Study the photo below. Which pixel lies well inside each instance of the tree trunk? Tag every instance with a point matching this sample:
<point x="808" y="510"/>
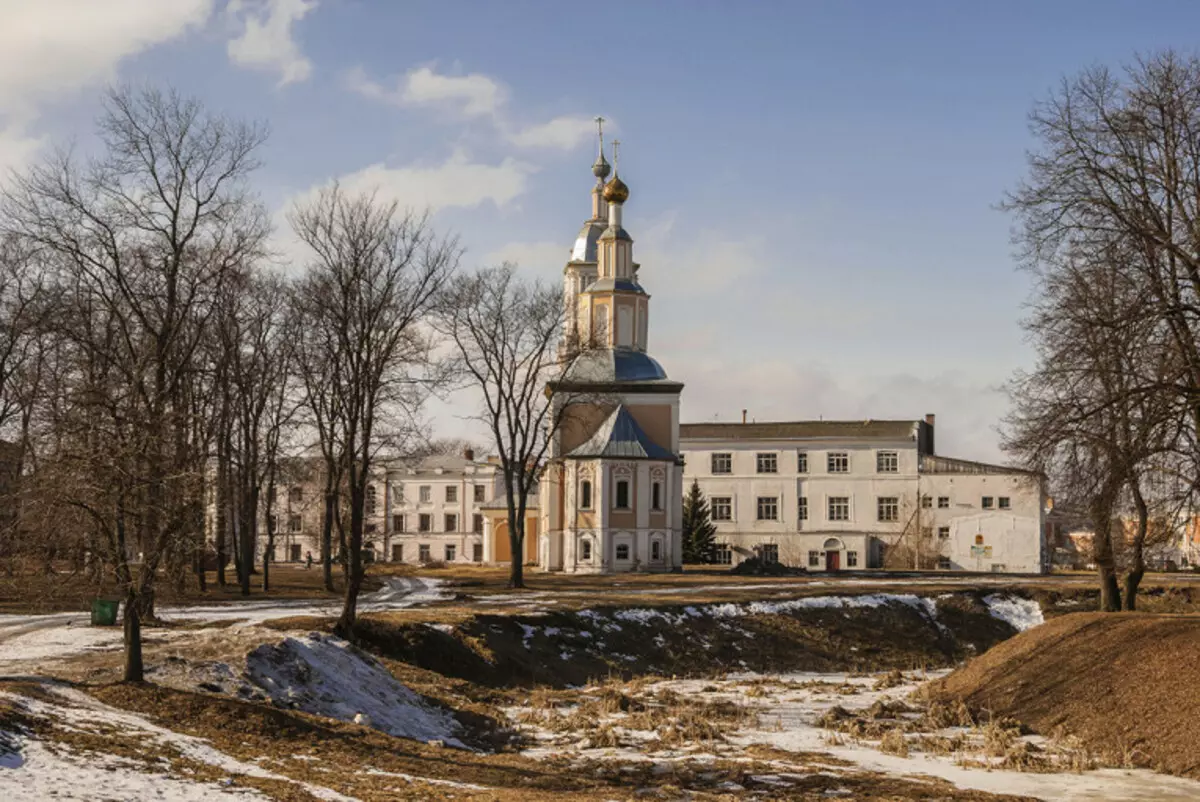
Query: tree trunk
<point x="266" y="561"/>
<point x="247" y="534"/>
<point x="201" y="543"/>
<point x="1137" y="568"/>
<point x="134" y="668"/>
<point x="327" y="540"/>
<point x="516" y="541"/>
<point x="1110" y="591"/>
<point x="353" y="560"/>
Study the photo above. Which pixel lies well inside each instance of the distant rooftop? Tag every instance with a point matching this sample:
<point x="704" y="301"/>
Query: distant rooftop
<point x="814" y="429"/>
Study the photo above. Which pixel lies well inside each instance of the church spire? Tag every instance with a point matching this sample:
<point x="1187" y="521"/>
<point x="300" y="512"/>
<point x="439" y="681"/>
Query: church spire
<point x="600" y="169"/>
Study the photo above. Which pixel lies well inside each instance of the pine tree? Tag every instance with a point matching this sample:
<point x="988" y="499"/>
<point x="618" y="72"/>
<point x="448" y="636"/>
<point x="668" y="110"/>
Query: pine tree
<point x="699" y="544"/>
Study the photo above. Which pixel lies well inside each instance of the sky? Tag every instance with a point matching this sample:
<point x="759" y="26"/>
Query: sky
<point x="814" y="185"/>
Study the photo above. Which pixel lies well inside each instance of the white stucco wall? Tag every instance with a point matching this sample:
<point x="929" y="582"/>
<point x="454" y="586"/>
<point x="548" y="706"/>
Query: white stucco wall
<point x="1020" y="535"/>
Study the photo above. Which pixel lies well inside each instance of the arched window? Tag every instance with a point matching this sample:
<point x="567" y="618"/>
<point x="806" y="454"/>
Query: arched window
<point x="622" y="551"/>
<point x="656" y="496"/>
<point x="979" y="540"/>
<point x="370" y="499"/>
<point x="585" y="494"/>
<point x="656" y="550"/>
<point x="832" y="543"/>
<point x="585" y="551"/>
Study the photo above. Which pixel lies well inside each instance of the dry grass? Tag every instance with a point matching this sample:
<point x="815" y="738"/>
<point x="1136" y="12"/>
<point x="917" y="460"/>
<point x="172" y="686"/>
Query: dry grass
<point x="33" y="591"/>
<point x="1118" y="682"/>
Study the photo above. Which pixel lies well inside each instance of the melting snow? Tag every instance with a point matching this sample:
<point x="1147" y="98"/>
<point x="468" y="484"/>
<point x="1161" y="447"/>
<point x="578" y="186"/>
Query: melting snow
<point x="1021" y="614"/>
<point x="65" y="778"/>
<point x="326" y="676"/>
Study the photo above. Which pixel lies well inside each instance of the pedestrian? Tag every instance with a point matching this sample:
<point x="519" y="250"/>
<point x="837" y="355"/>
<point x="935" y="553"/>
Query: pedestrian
<point x="307" y="560"/>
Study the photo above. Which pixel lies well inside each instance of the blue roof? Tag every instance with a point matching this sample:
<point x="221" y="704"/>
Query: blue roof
<point x="620" y="436"/>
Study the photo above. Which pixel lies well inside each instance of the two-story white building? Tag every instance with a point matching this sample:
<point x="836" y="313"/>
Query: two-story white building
<point x="837" y="495"/>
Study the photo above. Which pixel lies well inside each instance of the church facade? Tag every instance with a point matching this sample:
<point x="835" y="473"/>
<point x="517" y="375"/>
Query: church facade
<point x="611" y="496"/>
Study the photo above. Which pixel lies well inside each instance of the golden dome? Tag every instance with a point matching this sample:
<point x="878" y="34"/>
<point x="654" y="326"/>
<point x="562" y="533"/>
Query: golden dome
<point x="615" y="191"/>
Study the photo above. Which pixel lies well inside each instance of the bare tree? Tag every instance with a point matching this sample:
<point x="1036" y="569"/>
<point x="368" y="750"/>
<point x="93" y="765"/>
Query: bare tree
<point x="1086" y="414"/>
<point x="252" y="326"/>
<point x="1108" y="222"/>
<point x="373" y="277"/>
<point x="505" y="333"/>
<point x="143" y="239"/>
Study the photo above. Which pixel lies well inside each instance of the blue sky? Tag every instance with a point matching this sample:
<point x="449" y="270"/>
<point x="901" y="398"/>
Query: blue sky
<point x="813" y="184"/>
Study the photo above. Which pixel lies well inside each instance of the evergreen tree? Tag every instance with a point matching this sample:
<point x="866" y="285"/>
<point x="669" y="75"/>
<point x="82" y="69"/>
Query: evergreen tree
<point x="699" y="544"/>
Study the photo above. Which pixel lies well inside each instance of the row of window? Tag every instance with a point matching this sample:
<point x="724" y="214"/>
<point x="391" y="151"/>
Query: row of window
<point x="425" y="552"/>
<point x="835" y="462"/>
<point x="622" y="551"/>
<point x="887" y="508"/>
<point x="622" y="500"/>
<point x="986" y="502"/>
<point x="424" y="523"/>
<point x="424" y="495"/>
<point x="769" y="552"/>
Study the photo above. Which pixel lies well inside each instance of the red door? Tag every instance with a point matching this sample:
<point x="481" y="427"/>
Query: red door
<point x="832" y="560"/>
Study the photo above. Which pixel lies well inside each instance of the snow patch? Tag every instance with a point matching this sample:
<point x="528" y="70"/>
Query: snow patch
<point x="76" y="709"/>
<point x="1021" y="614"/>
<point x="326" y="676"/>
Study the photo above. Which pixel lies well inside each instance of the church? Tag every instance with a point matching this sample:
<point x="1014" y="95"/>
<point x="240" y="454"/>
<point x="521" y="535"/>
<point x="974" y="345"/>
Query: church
<point x="612" y="492"/>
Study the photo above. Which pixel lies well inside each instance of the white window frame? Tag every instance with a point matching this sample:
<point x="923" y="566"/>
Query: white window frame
<point x="766" y="462"/>
<point x="837" y="462"/>
<point x="727" y="505"/>
<point x="829" y="504"/>
<point x="721" y="463"/>
<point x="889" y="505"/>
<point x="802" y="508"/>
<point x="801" y="462"/>
<point x="887" y="462"/>
<point x="768" y="502"/>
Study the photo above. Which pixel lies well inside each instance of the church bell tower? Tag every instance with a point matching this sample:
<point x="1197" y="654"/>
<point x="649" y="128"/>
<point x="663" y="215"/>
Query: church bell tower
<point x="612" y="493"/>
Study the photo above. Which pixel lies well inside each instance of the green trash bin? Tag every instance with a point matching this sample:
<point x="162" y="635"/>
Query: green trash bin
<point x="104" y="613"/>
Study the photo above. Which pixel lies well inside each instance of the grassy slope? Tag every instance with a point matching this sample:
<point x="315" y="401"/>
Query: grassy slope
<point x="1123" y="683"/>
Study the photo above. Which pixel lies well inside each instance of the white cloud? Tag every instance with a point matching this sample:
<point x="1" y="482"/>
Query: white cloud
<point x="561" y="133"/>
<point x="544" y="260"/>
<point x="457" y="182"/>
<point x="266" y="41"/>
<point x="473" y="95"/>
<point x="17" y="149"/>
<point x="51" y="48"/>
